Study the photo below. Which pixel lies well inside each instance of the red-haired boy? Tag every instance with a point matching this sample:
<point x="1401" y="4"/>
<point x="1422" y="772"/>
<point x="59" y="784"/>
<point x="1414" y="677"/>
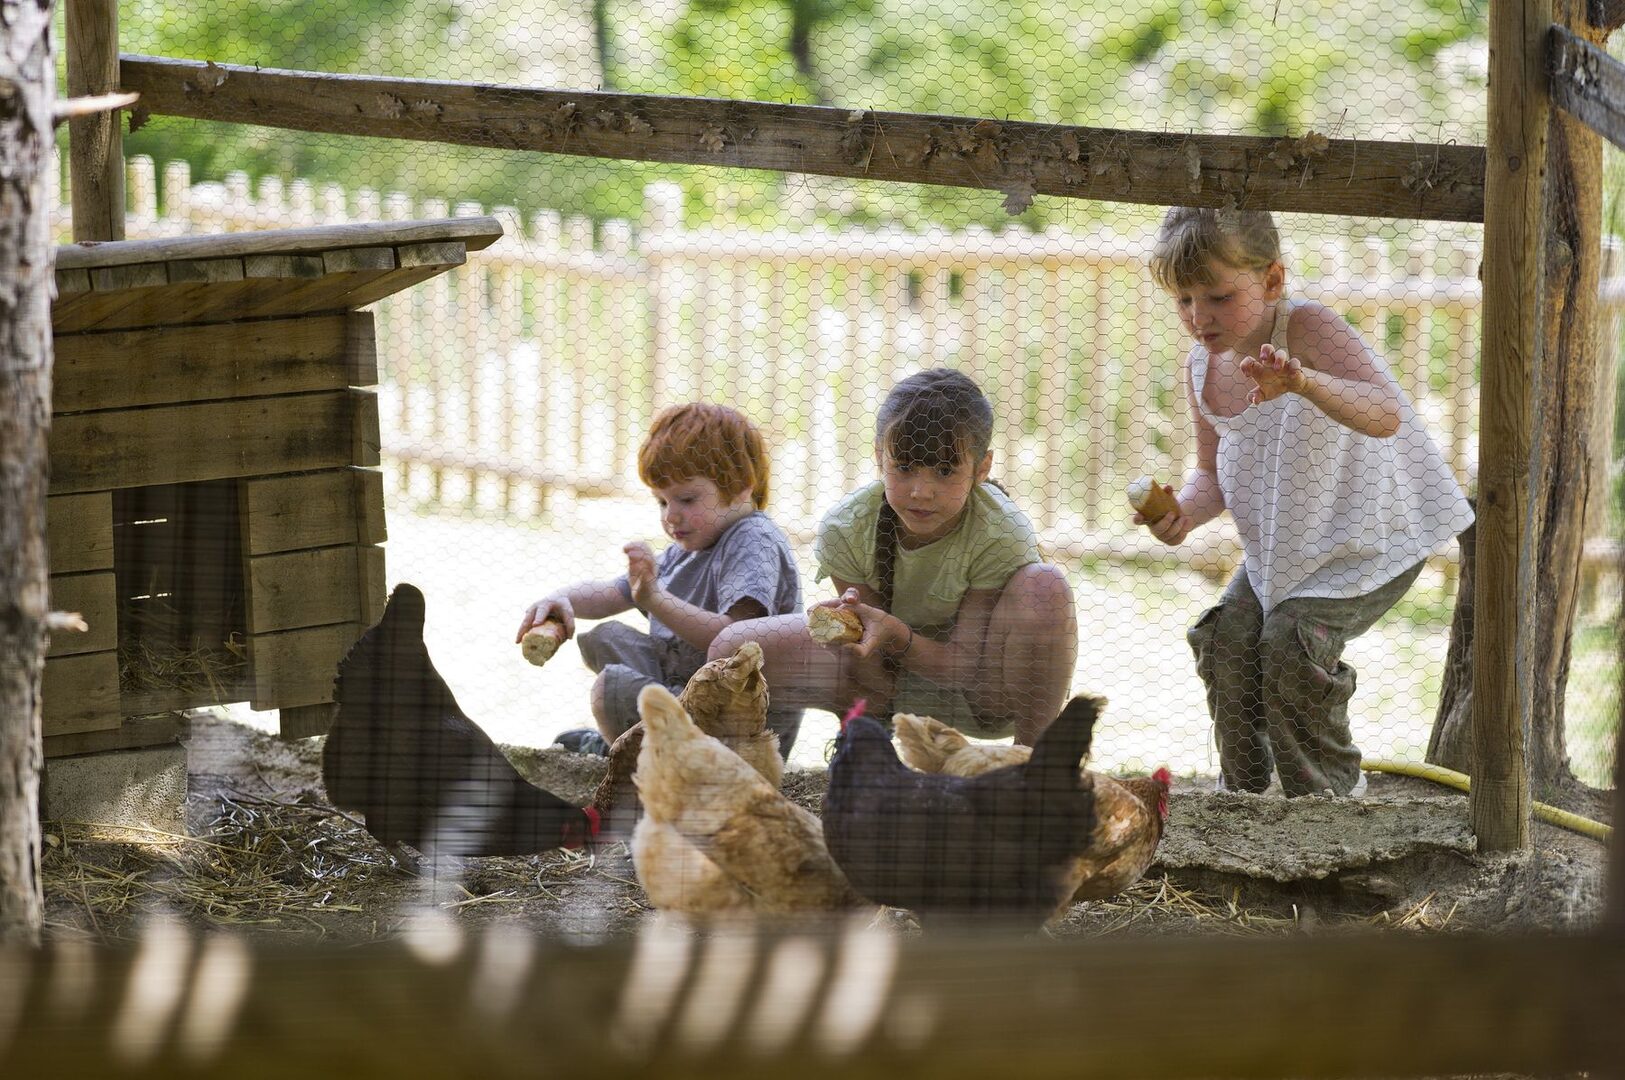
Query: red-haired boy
<point x="708" y="469"/>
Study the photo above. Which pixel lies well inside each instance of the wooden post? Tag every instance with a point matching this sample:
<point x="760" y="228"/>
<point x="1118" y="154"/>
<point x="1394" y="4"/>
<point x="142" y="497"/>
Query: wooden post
<point x="27" y="70"/>
<point x="626" y="419"/>
<point x="95" y="143"/>
<point x="1519" y="105"/>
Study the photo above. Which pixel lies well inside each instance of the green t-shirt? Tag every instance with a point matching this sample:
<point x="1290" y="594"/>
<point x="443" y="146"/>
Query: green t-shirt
<point x="992" y="541"/>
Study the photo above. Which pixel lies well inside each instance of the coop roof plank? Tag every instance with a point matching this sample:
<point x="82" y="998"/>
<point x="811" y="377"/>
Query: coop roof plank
<point x="474" y="233"/>
<point x="1019" y="159"/>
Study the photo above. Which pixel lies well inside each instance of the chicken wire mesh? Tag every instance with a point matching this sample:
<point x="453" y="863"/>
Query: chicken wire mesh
<point x="986" y="525"/>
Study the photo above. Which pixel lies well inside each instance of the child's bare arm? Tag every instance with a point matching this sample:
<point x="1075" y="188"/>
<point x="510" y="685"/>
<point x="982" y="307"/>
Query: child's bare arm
<point x="694" y="624"/>
<point x="584" y="599"/>
<point x="1200" y="499"/>
<point x="1333" y="368"/>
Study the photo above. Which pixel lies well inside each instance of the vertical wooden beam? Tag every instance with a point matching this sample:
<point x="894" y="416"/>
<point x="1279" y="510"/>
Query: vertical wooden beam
<point x="1519" y="108"/>
<point x="95" y="143"/>
<point x="27" y="69"/>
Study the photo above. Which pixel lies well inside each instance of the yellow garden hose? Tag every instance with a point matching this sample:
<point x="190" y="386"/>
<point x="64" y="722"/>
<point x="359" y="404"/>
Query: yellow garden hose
<point x="1462" y="782"/>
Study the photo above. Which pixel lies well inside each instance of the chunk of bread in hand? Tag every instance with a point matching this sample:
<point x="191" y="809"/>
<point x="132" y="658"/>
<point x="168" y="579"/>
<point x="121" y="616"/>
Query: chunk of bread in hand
<point x="541" y="642"/>
<point x="1152" y="500"/>
<point x="834" y="626"/>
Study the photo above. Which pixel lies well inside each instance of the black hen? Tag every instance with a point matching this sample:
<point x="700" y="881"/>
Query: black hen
<point x="403" y="754"/>
<point x="994" y="845"/>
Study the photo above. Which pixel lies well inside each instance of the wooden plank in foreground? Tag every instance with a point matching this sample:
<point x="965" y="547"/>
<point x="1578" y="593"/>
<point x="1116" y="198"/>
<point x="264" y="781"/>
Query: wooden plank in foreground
<point x="1018" y="158"/>
<point x="853" y="1003"/>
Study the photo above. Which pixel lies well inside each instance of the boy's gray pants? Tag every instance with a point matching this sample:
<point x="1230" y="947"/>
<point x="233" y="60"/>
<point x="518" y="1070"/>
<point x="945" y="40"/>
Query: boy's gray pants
<point x="1277" y="687"/>
<point x="629" y="659"/>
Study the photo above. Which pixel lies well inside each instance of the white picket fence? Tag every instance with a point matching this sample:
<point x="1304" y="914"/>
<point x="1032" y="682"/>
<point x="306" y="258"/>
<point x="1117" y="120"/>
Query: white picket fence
<point x="537" y="367"/>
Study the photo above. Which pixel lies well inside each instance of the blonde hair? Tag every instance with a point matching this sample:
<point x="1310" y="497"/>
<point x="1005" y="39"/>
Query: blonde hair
<point x="705" y="440"/>
<point x="1193" y="238"/>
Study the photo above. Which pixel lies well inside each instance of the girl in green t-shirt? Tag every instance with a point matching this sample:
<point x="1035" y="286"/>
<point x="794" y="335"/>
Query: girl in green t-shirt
<point x="962" y="620"/>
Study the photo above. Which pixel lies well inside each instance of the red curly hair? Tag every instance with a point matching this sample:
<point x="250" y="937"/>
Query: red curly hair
<point x="700" y="439"/>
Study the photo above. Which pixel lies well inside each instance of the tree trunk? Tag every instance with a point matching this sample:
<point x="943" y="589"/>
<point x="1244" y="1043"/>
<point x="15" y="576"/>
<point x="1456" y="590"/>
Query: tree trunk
<point x="1452" y="742"/>
<point x="1565" y="394"/>
<point x="1565" y="397"/>
<point x="27" y="90"/>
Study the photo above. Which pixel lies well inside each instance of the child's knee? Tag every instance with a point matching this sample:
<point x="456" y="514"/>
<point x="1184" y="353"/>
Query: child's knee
<point x="596" y="699"/>
<point x="1039" y="589"/>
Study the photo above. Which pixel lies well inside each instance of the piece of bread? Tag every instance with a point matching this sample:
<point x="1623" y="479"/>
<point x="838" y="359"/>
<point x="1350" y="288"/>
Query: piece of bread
<point x="834" y="626"/>
<point x="1151" y="499"/>
<point x="541" y="642"/>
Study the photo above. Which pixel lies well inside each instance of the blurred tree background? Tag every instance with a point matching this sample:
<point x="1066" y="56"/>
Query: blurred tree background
<point x="1403" y="69"/>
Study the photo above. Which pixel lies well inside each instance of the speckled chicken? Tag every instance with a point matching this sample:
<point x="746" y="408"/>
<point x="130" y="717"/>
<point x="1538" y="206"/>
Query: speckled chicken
<point x="759" y="852"/>
<point x="1130" y="814"/>
<point x="727" y="698"/>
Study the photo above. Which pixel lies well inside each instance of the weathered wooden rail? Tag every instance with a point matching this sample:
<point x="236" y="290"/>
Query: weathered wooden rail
<point x="814" y="1003"/>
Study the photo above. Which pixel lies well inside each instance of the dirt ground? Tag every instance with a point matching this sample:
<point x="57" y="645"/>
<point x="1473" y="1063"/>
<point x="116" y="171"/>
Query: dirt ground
<point x="264" y="853"/>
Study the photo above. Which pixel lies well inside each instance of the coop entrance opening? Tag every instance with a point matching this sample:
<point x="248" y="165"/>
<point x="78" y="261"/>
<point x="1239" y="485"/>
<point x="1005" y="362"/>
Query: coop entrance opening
<point x="178" y="562"/>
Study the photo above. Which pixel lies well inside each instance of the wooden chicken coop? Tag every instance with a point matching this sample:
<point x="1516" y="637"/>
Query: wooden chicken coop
<point x="215" y="509"/>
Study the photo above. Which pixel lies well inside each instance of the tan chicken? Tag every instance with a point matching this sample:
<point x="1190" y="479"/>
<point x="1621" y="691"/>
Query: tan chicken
<point x="1129" y="814"/>
<point x="716" y="837"/>
<point x="727" y="698"/>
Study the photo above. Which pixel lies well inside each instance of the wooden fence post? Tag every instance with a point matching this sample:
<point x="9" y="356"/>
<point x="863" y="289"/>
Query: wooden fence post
<point x="627" y="417"/>
<point x="1514" y="246"/>
<point x="547" y="238"/>
<point x="95" y="143"/>
<point x="663" y="218"/>
<point x="507" y="299"/>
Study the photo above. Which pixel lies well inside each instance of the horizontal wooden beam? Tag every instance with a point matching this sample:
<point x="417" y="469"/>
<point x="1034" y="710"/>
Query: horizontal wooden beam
<point x="179" y="444"/>
<point x="1606" y="15"/>
<point x="1309" y="174"/>
<point x="174" y="364"/>
<point x="863" y="1004"/>
<point x="1587" y="83"/>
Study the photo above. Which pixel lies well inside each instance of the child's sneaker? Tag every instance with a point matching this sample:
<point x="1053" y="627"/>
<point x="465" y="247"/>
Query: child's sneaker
<point x="1354" y="793"/>
<point x="583" y="741"/>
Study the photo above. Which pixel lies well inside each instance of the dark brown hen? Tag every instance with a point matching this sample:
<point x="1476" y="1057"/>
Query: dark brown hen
<point x="405" y="756"/>
<point x="998" y="845"/>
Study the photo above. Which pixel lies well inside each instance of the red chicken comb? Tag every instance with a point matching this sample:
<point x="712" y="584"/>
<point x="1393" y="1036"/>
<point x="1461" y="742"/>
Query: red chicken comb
<point x="595" y="820"/>
<point x="859" y="707"/>
<point x="1163" y="776"/>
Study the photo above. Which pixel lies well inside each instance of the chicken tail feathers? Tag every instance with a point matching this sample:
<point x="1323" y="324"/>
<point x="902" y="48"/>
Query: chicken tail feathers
<point x="1067" y="741"/>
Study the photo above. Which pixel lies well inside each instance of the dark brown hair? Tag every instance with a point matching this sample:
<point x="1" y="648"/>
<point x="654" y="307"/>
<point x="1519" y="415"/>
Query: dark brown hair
<point x="933" y="418"/>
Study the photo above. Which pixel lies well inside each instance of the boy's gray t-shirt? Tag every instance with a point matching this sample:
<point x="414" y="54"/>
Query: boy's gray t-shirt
<point x="751" y="560"/>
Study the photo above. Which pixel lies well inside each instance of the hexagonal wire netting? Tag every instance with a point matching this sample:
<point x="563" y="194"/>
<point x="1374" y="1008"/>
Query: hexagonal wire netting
<point x="516" y="393"/>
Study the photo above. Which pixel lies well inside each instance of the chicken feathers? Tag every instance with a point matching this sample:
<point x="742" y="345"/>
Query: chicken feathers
<point x="760" y="851"/>
<point x="995" y="845"/>
<point x="1130" y="814"/>
<point x="405" y="756"/>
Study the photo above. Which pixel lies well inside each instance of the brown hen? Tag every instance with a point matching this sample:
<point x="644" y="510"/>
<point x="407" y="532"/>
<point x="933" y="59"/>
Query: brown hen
<point x="1129" y="814"/>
